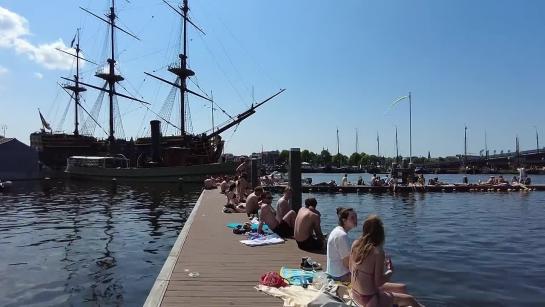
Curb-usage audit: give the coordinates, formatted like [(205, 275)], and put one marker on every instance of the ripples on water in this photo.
[(79, 244), (457, 249)]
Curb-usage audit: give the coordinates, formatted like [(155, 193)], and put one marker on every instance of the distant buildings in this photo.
[(267, 157)]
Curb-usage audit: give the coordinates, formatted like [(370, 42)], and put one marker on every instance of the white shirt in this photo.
[(344, 181), (338, 247)]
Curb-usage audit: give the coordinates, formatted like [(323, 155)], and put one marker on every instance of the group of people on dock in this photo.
[(362, 263), (376, 181)]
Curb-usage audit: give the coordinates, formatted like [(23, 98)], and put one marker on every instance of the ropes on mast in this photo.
[(89, 125), (118, 123), (63, 118)]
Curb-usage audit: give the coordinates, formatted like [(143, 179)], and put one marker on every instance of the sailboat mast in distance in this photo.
[(378, 145), (357, 140), (397, 148), (338, 147)]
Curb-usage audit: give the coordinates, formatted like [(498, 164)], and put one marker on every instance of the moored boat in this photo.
[(107, 168)]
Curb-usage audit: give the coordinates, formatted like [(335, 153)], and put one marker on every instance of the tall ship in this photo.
[(171, 154), (55, 147)]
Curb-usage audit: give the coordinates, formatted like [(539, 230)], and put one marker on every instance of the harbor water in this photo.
[(80, 244), (83, 244), (456, 249)]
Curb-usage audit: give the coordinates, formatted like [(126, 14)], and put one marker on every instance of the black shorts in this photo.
[(283, 230), (311, 244)]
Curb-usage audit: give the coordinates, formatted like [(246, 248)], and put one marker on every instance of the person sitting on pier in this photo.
[(252, 202), (360, 181), (224, 185), (421, 180), (267, 215), (307, 231), (242, 187), (370, 286), (233, 205), (515, 180), (283, 204), (391, 181), (210, 184), (501, 180), (338, 245)]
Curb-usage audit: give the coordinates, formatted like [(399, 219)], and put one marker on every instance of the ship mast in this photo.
[(183, 73), (76, 89), (111, 77)]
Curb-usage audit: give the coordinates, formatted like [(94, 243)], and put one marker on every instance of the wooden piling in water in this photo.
[(294, 175)]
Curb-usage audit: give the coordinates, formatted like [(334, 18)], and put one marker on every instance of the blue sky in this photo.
[(474, 63)]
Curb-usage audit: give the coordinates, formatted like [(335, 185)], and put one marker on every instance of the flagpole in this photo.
[(397, 148), (410, 130)]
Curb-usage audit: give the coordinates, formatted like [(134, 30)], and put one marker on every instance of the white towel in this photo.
[(263, 240)]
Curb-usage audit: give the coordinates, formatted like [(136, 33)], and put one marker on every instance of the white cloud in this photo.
[(3, 70), (38, 75), (14, 30)]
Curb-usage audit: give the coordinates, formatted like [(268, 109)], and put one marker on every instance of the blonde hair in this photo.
[(372, 236)]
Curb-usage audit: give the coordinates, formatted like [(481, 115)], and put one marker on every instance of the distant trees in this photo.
[(324, 158), (355, 159), (284, 156), (340, 159)]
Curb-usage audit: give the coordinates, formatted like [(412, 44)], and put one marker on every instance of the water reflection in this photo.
[(71, 243), (451, 248)]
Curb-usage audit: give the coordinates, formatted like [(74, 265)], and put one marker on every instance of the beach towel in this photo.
[(260, 240), (293, 296), (254, 227), (297, 277)]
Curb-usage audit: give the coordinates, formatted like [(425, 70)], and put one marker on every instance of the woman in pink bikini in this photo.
[(370, 286)]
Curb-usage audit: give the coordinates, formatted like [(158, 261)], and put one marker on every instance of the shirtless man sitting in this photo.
[(283, 204), (267, 215), (252, 201), (307, 230)]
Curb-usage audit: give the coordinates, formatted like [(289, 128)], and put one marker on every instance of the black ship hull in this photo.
[(54, 148)]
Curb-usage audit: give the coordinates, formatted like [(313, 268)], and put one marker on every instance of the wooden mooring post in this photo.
[(294, 176)]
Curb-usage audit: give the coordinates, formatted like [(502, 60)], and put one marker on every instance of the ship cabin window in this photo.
[(98, 162), (115, 163)]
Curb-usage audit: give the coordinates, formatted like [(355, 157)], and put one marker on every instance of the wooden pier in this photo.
[(410, 189), (224, 271)]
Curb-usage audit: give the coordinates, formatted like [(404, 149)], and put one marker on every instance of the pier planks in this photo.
[(228, 270)]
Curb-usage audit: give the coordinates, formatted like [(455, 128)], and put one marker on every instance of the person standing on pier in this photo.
[(344, 180), (283, 205), (338, 245), (242, 187), (307, 231), (282, 227)]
